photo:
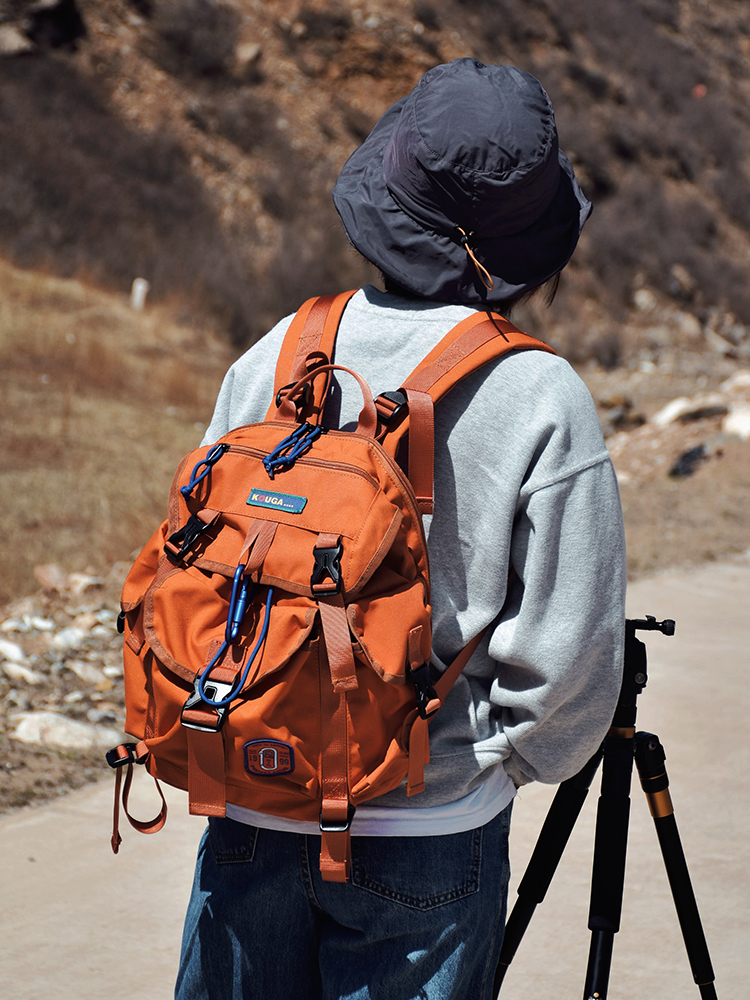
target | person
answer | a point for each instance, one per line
(464, 201)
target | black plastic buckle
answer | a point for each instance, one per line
(398, 398)
(216, 691)
(123, 754)
(425, 692)
(302, 398)
(121, 622)
(334, 827)
(327, 566)
(186, 537)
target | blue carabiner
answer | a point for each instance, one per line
(237, 688)
(238, 602)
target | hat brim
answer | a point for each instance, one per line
(431, 264)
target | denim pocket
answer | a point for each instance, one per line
(420, 872)
(231, 842)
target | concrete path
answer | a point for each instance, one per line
(76, 923)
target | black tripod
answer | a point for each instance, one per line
(621, 746)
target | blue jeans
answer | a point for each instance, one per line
(420, 918)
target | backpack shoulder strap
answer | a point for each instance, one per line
(307, 344)
(478, 339)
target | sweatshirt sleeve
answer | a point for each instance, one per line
(559, 644)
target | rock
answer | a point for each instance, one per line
(20, 699)
(689, 326)
(12, 625)
(97, 715)
(719, 344)
(87, 672)
(247, 54)
(11, 651)
(51, 577)
(20, 672)
(56, 730)
(85, 621)
(645, 300)
(683, 279)
(712, 404)
(688, 462)
(68, 638)
(737, 382)
(13, 41)
(737, 422)
(78, 582)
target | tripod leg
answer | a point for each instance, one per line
(610, 848)
(649, 759)
(549, 848)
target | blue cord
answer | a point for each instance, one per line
(286, 452)
(237, 689)
(212, 457)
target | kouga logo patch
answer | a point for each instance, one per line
(277, 501)
(268, 758)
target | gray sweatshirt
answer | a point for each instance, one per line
(522, 480)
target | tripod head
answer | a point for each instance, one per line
(635, 674)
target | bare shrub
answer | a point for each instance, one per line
(333, 23)
(83, 194)
(198, 37)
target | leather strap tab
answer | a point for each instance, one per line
(206, 773)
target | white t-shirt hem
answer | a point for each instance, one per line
(472, 811)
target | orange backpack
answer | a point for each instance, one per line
(277, 625)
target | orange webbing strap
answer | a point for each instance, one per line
(469, 345)
(143, 826)
(207, 791)
(313, 330)
(335, 813)
(421, 447)
(337, 638)
(419, 738)
(475, 341)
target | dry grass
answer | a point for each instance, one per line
(97, 404)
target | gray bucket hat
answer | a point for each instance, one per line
(460, 193)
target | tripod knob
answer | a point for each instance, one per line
(650, 624)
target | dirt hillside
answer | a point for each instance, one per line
(193, 144)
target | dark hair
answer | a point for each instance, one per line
(505, 308)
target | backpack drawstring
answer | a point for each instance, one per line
(286, 452)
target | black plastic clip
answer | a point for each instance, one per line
(196, 714)
(425, 692)
(124, 754)
(186, 538)
(327, 567)
(393, 406)
(333, 826)
(121, 622)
